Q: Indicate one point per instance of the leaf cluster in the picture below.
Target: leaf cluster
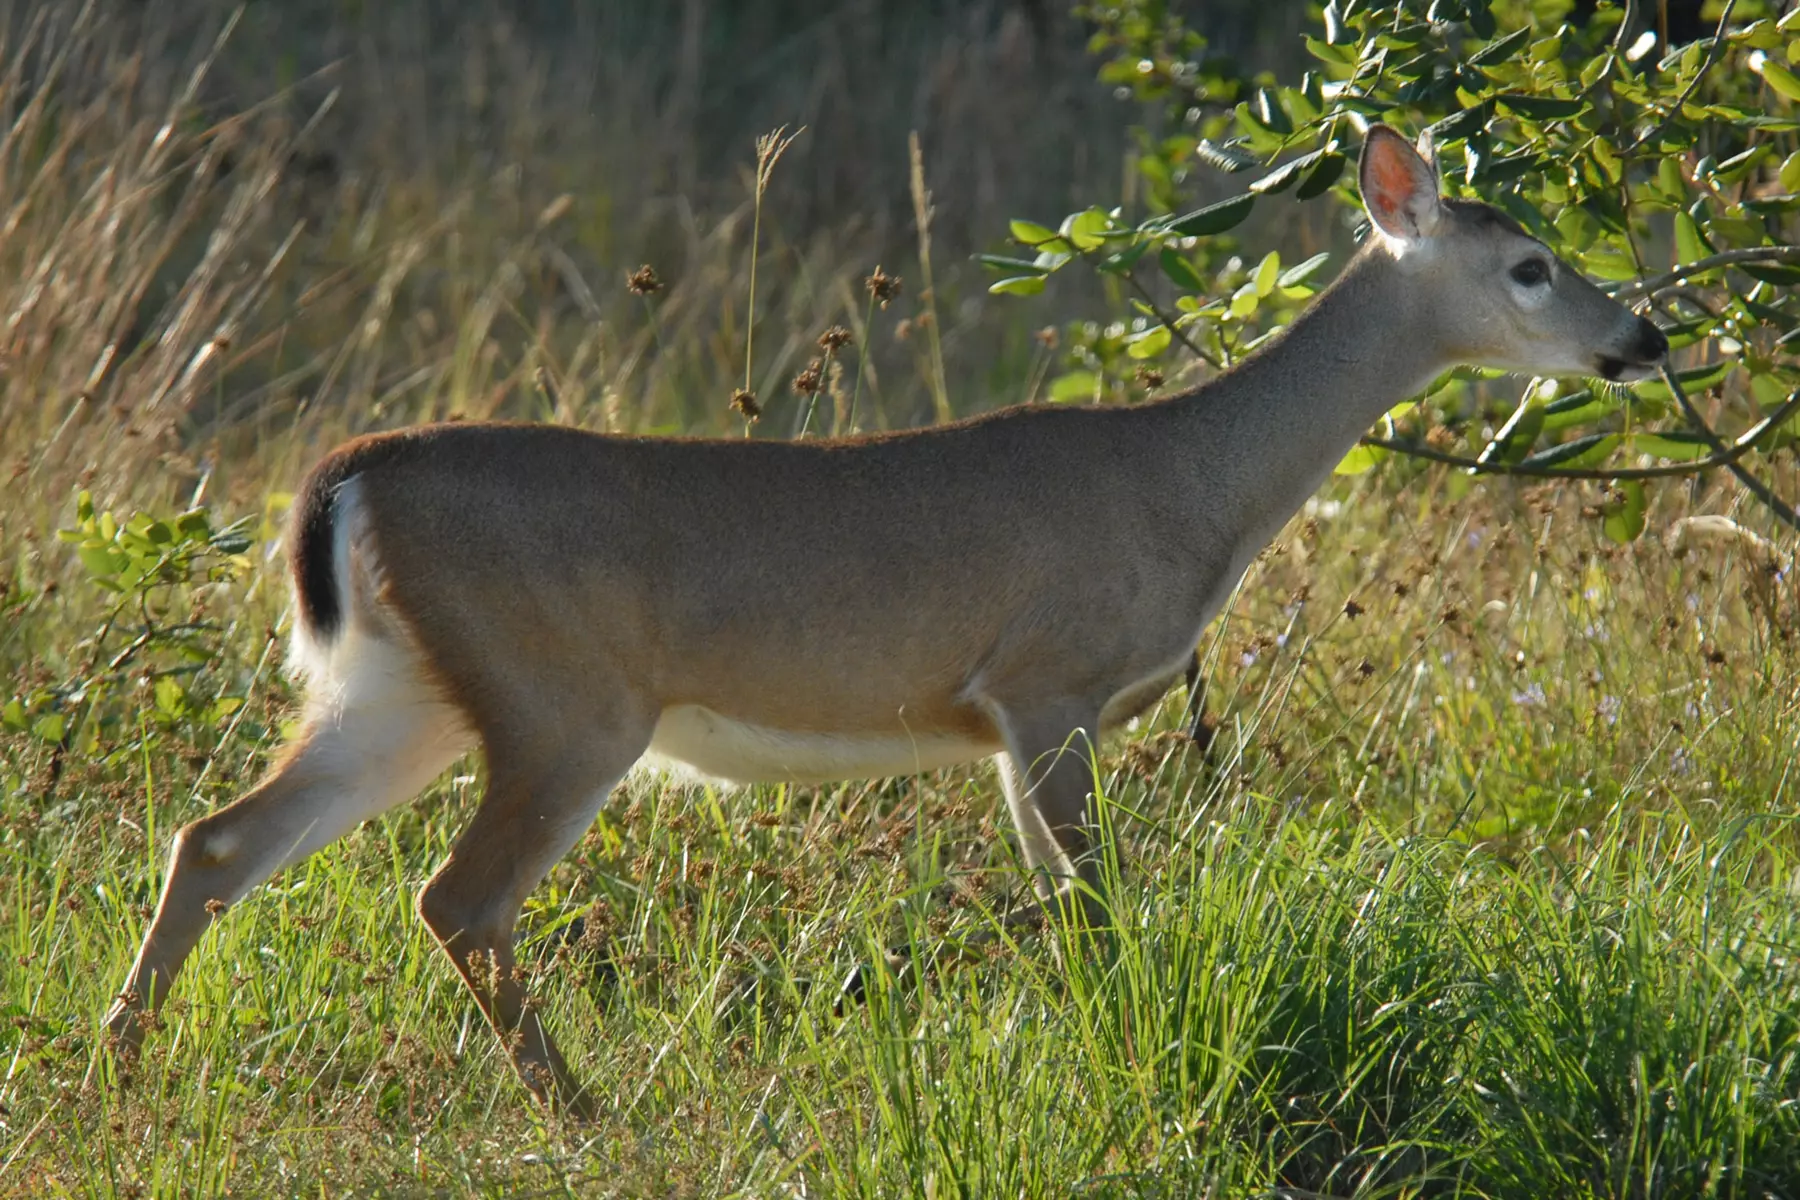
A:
(1670, 173)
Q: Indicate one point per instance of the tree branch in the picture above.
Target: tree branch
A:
(1722, 456)
(1757, 487)
(1712, 58)
(1728, 258)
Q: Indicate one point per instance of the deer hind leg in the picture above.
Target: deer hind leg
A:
(378, 738)
(538, 804)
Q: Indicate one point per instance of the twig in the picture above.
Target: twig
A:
(1712, 58)
(1726, 258)
(1723, 456)
(1137, 285)
(1168, 321)
(1757, 487)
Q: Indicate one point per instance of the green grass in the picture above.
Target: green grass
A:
(1489, 887)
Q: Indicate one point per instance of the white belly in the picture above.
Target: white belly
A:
(720, 747)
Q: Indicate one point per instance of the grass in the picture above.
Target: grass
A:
(1487, 888)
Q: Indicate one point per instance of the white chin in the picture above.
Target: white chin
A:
(1626, 373)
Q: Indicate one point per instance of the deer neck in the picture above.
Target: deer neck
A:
(1268, 432)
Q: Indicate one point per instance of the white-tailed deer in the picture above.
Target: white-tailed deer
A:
(1011, 585)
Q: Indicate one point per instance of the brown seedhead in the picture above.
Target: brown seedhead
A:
(1150, 377)
(808, 381)
(743, 402)
(643, 281)
(834, 339)
(882, 286)
(1352, 609)
(215, 906)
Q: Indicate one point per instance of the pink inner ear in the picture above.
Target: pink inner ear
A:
(1393, 182)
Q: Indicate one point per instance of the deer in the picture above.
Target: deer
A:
(1009, 586)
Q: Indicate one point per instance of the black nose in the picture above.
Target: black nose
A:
(1652, 342)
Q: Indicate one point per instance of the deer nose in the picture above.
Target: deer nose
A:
(1652, 343)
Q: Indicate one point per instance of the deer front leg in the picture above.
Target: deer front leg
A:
(528, 820)
(1048, 775)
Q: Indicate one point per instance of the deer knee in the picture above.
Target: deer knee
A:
(458, 920)
(207, 843)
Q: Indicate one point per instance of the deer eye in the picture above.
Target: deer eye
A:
(1533, 272)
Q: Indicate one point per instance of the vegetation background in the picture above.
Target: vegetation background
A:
(1487, 885)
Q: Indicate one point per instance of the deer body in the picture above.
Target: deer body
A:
(1010, 585)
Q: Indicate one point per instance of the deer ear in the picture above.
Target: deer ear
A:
(1399, 188)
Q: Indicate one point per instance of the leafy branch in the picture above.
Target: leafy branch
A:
(1593, 136)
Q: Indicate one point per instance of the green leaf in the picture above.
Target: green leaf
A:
(1325, 52)
(1214, 218)
(1299, 273)
(1622, 519)
(13, 715)
(101, 560)
(1087, 229)
(1772, 273)
(1001, 262)
(1516, 436)
(1675, 445)
(1180, 271)
(1030, 233)
(1540, 108)
(1267, 271)
(1284, 176)
(170, 698)
(1150, 343)
(1577, 408)
(1122, 262)
(1668, 177)
(1501, 50)
(1582, 452)
(1360, 459)
(1335, 33)
(1321, 177)
(1243, 301)
(1481, 19)
(1269, 111)
(1076, 385)
(1693, 381)
(1461, 124)
(1229, 159)
(1017, 285)
(1779, 78)
(1689, 244)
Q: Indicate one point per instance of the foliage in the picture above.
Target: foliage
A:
(1626, 154)
(151, 636)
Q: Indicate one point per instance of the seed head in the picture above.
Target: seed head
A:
(834, 339)
(643, 281)
(743, 402)
(882, 286)
(808, 381)
(1150, 377)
